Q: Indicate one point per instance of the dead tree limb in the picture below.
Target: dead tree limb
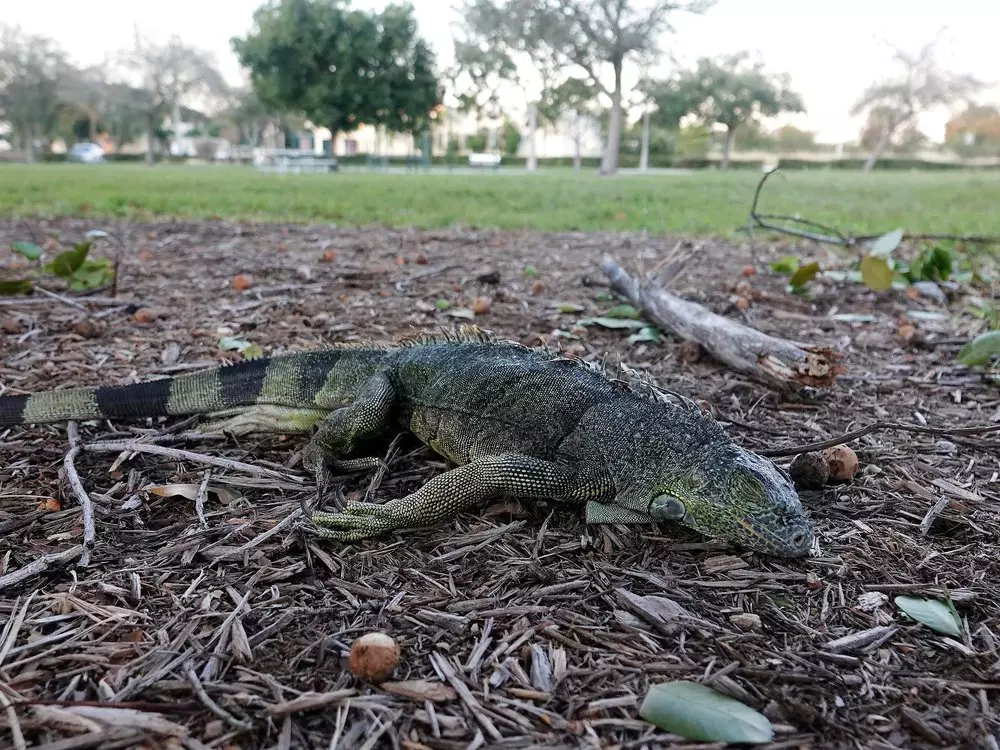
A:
(832, 235)
(776, 361)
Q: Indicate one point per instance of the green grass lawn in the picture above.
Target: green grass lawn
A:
(702, 203)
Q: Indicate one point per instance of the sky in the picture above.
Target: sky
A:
(831, 50)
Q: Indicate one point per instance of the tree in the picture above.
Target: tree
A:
(920, 86)
(732, 92)
(340, 67)
(510, 137)
(250, 116)
(589, 38)
(164, 76)
(573, 103)
(791, 138)
(31, 68)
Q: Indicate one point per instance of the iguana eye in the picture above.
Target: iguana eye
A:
(667, 508)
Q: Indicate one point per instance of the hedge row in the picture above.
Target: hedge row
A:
(628, 161)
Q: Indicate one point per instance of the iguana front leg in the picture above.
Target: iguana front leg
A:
(346, 428)
(446, 495)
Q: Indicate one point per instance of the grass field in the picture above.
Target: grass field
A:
(700, 203)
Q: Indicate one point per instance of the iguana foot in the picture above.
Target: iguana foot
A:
(358, 521)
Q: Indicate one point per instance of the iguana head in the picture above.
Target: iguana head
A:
(726, 492)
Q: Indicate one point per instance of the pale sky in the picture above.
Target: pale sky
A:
(831, 49)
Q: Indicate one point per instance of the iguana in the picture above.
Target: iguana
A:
(518, 421)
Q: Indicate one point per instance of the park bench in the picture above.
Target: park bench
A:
(484, 160)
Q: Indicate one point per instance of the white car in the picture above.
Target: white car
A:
(87, 153)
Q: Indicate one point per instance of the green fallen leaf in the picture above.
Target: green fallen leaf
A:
(442, 304)
(623, 311)
(530, 271)
(876, 273)
(804, 274)
(65, 264)
(462, 312)
(613, 322)
(883, 246)
(930, 612)
(29, 250)
(981, 349)
(248, 350)
(566, 307)
(16, 286)
(697, 712)
(604, 297)
(644, 334)
(787, 265)
(230, 344)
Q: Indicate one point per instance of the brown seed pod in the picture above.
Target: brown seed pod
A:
(374, 657)
(809, 471)
(841, 462)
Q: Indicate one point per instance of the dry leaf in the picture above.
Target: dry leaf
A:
(242, 282)
(190, 491)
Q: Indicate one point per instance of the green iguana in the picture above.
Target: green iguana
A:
(518, 421)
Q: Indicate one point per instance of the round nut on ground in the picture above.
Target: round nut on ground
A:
(374, 657)
(841, 462)
(481, 305)
(809, 471)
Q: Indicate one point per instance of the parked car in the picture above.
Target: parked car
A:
(87, 153)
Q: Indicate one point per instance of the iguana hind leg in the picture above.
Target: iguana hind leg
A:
(446, 495)
(264, 418)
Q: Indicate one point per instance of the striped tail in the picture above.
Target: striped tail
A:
(287, 380)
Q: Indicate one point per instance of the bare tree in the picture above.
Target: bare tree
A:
(596, 34)
(31, 68)
(166, 75)
(921, 85)
(592, 39)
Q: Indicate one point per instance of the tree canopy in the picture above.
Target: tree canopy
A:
(588, 39)
(341, 67)
(730, 92)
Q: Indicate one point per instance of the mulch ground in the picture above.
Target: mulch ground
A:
(528, 628)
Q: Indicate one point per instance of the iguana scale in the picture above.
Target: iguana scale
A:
(518, 421)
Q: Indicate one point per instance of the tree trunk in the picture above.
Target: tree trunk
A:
(29, 145)
(727, 147)
(150, 138)
(576, 152)
(644, 149)
(609, 162)
(880, 147)
(532, 122)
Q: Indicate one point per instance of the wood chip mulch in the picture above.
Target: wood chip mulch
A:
(228, 626)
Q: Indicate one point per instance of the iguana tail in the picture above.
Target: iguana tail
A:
(291, 380)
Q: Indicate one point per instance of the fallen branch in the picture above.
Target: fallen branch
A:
(39, 566)
(876, 427)
(834, 236)
(773, 360)
(82, 496)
